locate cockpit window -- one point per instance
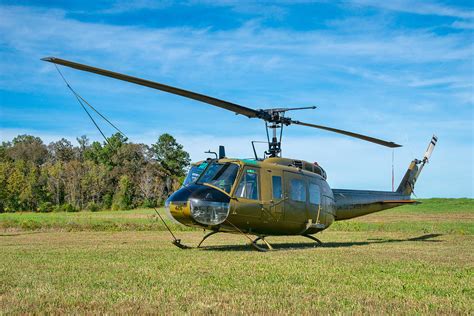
(194, 173)
(221, 175)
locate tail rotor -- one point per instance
(407, 186)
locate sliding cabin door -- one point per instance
(296, 198)
(272, 195)
(315, 208)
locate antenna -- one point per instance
(211, 152)
(393, 172)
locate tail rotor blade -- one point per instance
(430, 148)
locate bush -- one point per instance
(107, 201)
(115, 207)
(45, 207)
(123, 199)
(149, 203)
(68, 208)
(93, 207)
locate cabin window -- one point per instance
(314, 194)
(297, 190)
(248, 186)
(276, 185)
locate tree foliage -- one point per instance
(170, 155)
(114, 174)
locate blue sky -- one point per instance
(398, 70)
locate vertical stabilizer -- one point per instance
(407, 185)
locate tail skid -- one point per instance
(407, 185)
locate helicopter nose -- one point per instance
(199, 204)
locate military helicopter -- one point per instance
(272, 195)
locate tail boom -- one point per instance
(354, 203)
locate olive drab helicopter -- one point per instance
(272, 195)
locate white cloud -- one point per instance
(419, 7)
(463, 25)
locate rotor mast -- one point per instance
(275, 122)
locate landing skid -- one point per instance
(177, 243)
(253, 243)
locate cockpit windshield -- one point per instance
(194, 173)
(221, 175)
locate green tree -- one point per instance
(6, 168)
(93, 152)
(107, 152)
(28, 148)
(3, 151)
(170, 155)
(83, 142)
(73, 173)
(62, 150)
(23, 187)
(54, 173)
(61, 176)
(111, 148)
(94, 182)
(123, 199)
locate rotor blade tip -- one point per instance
(50, 59)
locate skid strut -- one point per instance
(319, 242)
(259, 248)
(207, 236)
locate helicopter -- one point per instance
(270, 195)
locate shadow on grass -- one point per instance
(305, 245)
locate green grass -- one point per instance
(365, 266)
(136, 220)
(432, 215)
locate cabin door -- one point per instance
(315, 205)
(273, 197)
(295, 198)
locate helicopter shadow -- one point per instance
(336, 244)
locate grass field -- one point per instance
(414, 259)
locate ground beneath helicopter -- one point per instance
(364, 267)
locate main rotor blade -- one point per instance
(238, 109)
(360, 136)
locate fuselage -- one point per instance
(276, 196)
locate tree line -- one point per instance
(115, 174)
